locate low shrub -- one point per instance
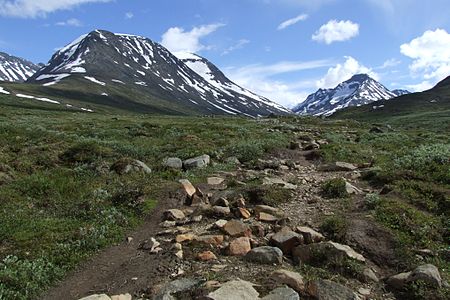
(335, 228)
(334, 188)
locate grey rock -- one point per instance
(427, 273)
(178, 286)
(197, 162)
(282, 293)
(329, 290)
(125, 166)
(236, 290)
(329, 250)
(265, 255)
(173, 163)
(96, 297)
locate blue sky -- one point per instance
(283, 49)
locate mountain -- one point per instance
(15, 69)
(359, 90)
(400, 92)
(428, 108)
(133, 72)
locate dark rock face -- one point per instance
(15, 69)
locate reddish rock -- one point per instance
(310, 235)
(210, 239)
(244, 213)
(265, 217)
(236, 228)
(240, 246)
(206, 256)
(185, 237)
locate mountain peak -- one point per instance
(360, 77)
(15, 69)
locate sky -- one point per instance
(281, 49)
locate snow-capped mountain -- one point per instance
(400, 92)
(15, 69)
(124, 67)
(357, 91)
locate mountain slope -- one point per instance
(357, 91)
(430, 107)
(127, 69)
(15, 69)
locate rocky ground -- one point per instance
(253, 233)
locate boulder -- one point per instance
(236, 290)
(352, 190)
(206, 256)
(214, 240)
(286, 240)
(185, 237)
(222, 202)
(265, 255)
(188, 187)
(292, 279)
(329, 290)
(369, 276)
(243, 213)
(121, 297)
(339, 166)
(398, 281)
(178, 286)
(310, 235)
(173, 163)
(324, 252)
(282, 293)
(239, 247)
(268, 210)
(215, 180)
(265, 217)
(125, 166)
(197, 162)
(221, 211)
(173, 215)
(426, 273)
(96, 297)
(236, 228)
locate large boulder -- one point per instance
(240, 246)
(236, 228)
(324, 252)
(125, 166)
(286, 240)
(236, 290)
(265, 255)
(329, 290)
(173, 163)
(197, 162)
(282, 293)
(426, 273)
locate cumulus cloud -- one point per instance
(430, 54)
(344, 71)
(177, 39)
(239, 45)
(129, 15)
(38, 8)
(261, 80)
(70, 22)
(292, 21)
(336, 31)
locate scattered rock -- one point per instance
(215, 180)
(188, 187)
(292, 279)
(325, 250)
(221, 211)
(173, 163)
(220, 223)
(286, 240)
(222, 202)
(369, 276)
(311, 146)
(178, 286)
(265, 255)
(352, 190)
(168, 224)
(237, 289)
(185, 237)
(197, 162)
(233, 161)
(282, 293)
(125, 166)
(338, 166)
(173, 215)
(96, 297)
(310, 235)
(295, 146)
(376, 129)
(206, 256)
(268, 209)
(236, 228)
(265, 217)
(329, 290)
(239, 247)
(210, 239)
(398, 281)
(426, 273)
(279, 182)
(121, 297)
(243, 213)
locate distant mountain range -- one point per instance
(359, 90)
(135, 72)
(16, 69)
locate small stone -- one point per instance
(244, 213)
(221, 211)
(173, 215)
(268, 209)
(398, 281)
(168, 224)
(215, 180)
(173, 163)
(222, 202)
(364, 292)
(282, 293)
(352, 190)
(236, 228)
(369, 276)
(240, 246)
(177, 246)
(121, 297)
(329, 250)
(188, 187)
(129, 239)
(210, 239)
(197, 162)
(311, 146)
(240, 202)
(265, 217)
(295, 145)
(206, 256)
(197, 219)
(212, 284)
(265, 255)
(237, 289)
(220, 223)
(292, 279)
(310, 235)
(185, 237)
(178, 286)
(179, 254)
(286, 240)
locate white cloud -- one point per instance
(424, 85)
(129, 15)
(345, 71)
(239, 45)
(38, 8)
(292, 21)
(260, 79)
(336, 31)
(389, 64)
(70, 22)
(177, 39)
(431, 55)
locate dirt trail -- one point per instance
(125, 268)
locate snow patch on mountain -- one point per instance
(15, 69)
